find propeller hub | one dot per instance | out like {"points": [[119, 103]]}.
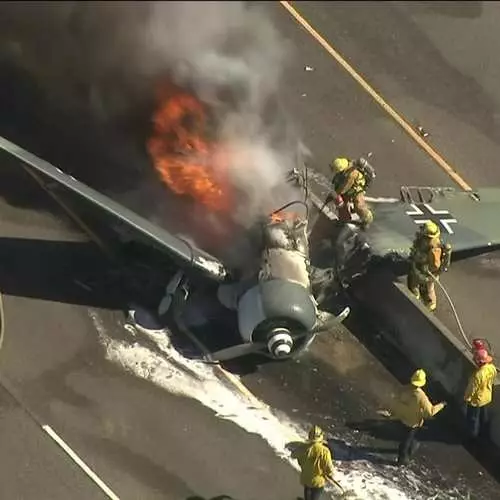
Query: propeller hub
{"points": [[280, 342]]}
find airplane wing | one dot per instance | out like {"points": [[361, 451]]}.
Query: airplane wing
{"points": [[184, 252], [469, 221]]}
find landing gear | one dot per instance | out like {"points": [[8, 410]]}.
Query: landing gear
{"points": [[175, 286]]}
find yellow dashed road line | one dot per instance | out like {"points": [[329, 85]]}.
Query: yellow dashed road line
{"points": [[378, 98]]}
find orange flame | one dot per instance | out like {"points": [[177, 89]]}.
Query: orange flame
{"points": [[187, 162], [284, 216]]}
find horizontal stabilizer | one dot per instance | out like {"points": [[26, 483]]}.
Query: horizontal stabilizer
{"points": [[469, 221]]}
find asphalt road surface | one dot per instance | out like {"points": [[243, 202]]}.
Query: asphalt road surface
{"points": [[391, 45], [145, 443], [141, 441], [433, 62]]}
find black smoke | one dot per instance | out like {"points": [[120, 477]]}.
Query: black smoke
{"points": [[78, 82]]}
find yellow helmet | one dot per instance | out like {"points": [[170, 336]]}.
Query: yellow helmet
{"points": [[316, 434], [340, 164], [419, 378], [431, 229]]}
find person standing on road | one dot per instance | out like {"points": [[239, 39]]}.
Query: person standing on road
{"points": [[316, 464], [479, 394], [414, 408]]}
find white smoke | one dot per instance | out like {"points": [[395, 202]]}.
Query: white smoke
{"points": [[236, 49], [214, 44], [108, 57]]}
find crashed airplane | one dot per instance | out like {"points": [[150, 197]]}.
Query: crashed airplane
{"points": [[274, 309], [276, 303]]}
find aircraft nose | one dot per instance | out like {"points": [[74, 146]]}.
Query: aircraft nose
{"points": [[280, 342]]}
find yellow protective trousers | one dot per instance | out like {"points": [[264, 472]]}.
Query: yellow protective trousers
{"points": [[423, 288]]}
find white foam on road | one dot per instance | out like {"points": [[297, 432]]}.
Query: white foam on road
{"points": [[194, 379]]}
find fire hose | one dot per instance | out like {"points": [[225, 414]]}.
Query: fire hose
{"points": [[338, 485], [455, 313], [453, 308]]}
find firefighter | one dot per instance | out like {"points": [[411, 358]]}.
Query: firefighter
{"points": [[479, 394], [429, 257], [478, 345], [413, 409], [316, 464], [350, 181]]}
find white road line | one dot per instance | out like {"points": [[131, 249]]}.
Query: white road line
{"points": [[56, 438], [80, 462]]}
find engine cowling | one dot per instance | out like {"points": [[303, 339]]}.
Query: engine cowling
{"points": [[276, 312], [279, 311]]}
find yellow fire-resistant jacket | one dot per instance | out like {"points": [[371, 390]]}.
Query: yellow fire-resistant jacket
{"points": [[480, 387], [415, 407], [426, 255], [349, 183], [316, 463]]}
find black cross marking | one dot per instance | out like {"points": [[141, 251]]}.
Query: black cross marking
{"points": [[423, 212]]}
